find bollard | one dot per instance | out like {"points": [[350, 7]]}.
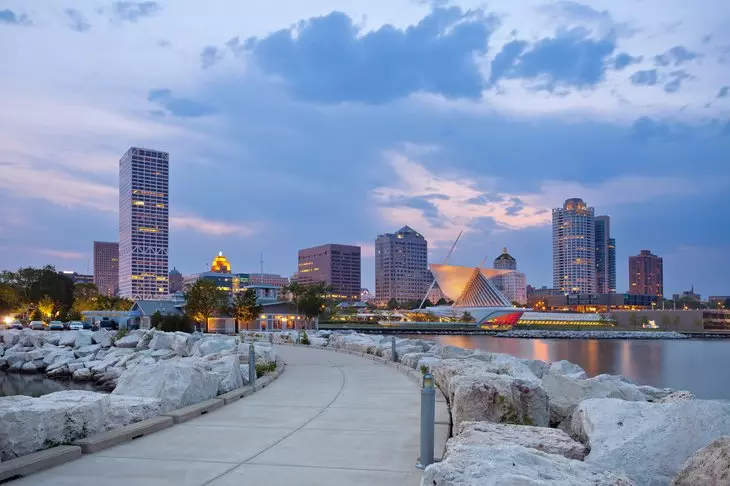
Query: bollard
{"points": [[393, 354], [251, 364], [428, 421], [271, 338]]}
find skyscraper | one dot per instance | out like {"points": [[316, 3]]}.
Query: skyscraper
{"points": [[605, 256], [513, 285], [337, 266], [176, 280], [646, 274], [574, 248], [106, 267], [143, 224], [401, 266]]}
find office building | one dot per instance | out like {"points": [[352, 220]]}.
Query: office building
{"points": [[513, 284], [106, 267], [646, 274], [220, 264], [605, 256], [143, 224], [269, 279], [176, 281], [78, 278], [574, 248], [401, 266], [337, 266]]}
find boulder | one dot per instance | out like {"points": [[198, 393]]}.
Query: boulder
{"points": [[89, 350], [128, 341], [10, 336], [387, 351], [497, 398], [29, 367], [161, 340], [244, 373], [566, 368], [514, 465], [710, 465], [487, 434], [655, 394], [15, 357], [214, 344], [428, 361], [450, 352], [411, 359], [34, 355], [82, 374], [124, 410], [83, 338], [102, 338], [678, 396], [31, 424], [144, 340], [68, 339], [162, 353], [317, 341], [566, 393], [180, 344], [75, 366], [648, 441], [58, 372], [176, 383], [228, 371], [53, 337], [61, 361]]}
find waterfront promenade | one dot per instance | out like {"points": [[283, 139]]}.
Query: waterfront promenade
{"points": [[330, 419]]}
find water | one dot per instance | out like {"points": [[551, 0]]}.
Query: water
{"points": [[698, 365], [35, 385]]}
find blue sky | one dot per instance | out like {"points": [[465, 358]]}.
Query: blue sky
{"points": [[292, 124]]}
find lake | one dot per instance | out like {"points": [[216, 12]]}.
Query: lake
{"points": [[35, 385], [698, 365]]}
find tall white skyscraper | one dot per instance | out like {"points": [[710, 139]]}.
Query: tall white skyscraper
{"points": [[574, 248], [401, 266], [605, 256], [513, 285], [143, 224]]}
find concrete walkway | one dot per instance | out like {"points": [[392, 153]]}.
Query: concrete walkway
{"points": [[330, 419]]}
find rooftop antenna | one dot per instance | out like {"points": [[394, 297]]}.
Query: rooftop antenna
{"points": [[445, 262], [262, 263]]}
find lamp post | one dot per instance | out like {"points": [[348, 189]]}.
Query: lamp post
{"points": [[251, 364], [428, 421]]}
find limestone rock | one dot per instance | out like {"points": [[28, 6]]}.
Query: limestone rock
{"points": [[161, 340], [125, 410], [566, 368], [162, 353], [128, 341], [14, 357], [89, 350], [213, 344], [10, 336], [180, 344], [28, 367], [497, 398], [487, 434], [678, 396], [83, 338], [68, 339], [450, 352], [648, 441], [411, 359], [228, 371], [428, 361], [82, 374], [514, 465], [102, 338], [566, 393], [317, 341], [710, 466], [177, 383]]}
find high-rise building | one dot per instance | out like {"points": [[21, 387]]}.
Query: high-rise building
{"points": [[337, 266], [269, 279], [143, 224], [574, 248], [401, 266], [106, 267], [220, 264], [646, 274], [176, 280], [513, 285], [605, 256]]}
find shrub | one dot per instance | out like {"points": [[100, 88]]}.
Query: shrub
{"points": [[304, 339], [424, 369], [175, 323], [370, 350], [263, 368], [120, 334]]}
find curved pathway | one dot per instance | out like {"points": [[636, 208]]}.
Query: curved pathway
{"points": [[330, 419]]}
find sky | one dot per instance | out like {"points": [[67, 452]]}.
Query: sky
{"points": [[291, 124]]}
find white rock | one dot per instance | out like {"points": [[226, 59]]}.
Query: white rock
{"points": [[75, 366], [497, 398], [10, 336], [317, 341], [180, 344], [214, 344], [60, 362], [566, 368], [428, 361], [487, 434], [125, 410], [450, 352], [83, 338], [244, 373], [177, 383], [161, 340], [162, 353], [14, 357], [648, 441], [514, 465], [103, 338], [411, 359], [34, 355], [89, 350], [710, 466], [678, 396], [83, 374], [68, 339], [228, 371], [128, 341], [566, 393], [29, 367]]}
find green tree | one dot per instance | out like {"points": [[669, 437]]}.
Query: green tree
{"points": [[311, 302], [156, 320], [9, 299], [204, 300], [85, 291], [245, 307], [45, 306], [392, 304], [466, 317], [32, 284]]}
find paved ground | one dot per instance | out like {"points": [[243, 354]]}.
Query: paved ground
{"points": [[330, 419]]}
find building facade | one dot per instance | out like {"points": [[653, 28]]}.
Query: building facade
{"points": [[269, 279], [337, 266], [106, 267], [176, 281], [574, 248], [605, 256], [646, 274], [78, 278], [143, 224], [401, 266], [513, 284]]}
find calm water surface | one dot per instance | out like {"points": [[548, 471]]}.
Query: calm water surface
{"points": [[36, 385], [699, 365]]}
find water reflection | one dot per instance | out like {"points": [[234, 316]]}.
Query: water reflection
{"points": [[697, 365], [36, 385]]}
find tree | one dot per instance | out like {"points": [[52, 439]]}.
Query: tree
{"points": [[203, 300], [156, 319], [86, 291], [644, 322], [45, 306], [312, 301], [245, 307], [392, 304], [9, 298], [466, 317], [442, 301]]}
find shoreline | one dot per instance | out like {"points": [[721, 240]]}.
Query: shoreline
{"points": [[540, 334]]}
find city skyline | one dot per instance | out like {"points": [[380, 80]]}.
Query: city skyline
{"points": [[622, 104]]}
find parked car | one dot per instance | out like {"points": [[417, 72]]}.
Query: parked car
{"points": [[37, 325], [55, 326], [86, 325], [15, 325], [109, 325], [76, 325]]}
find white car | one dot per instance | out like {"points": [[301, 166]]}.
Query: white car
{"points": [[37, 325], [76, 325], [55, 326]]}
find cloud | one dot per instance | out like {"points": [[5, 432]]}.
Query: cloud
{"points": [[133, 11], [209, 226], [724, 91], [63, 254], [624, 59], [329, 59], [675, 81], [645, 78], [675, 56], [210, 56], [76, 20], [571, 58], [7, 16], [180, 107], [602, 23]]}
